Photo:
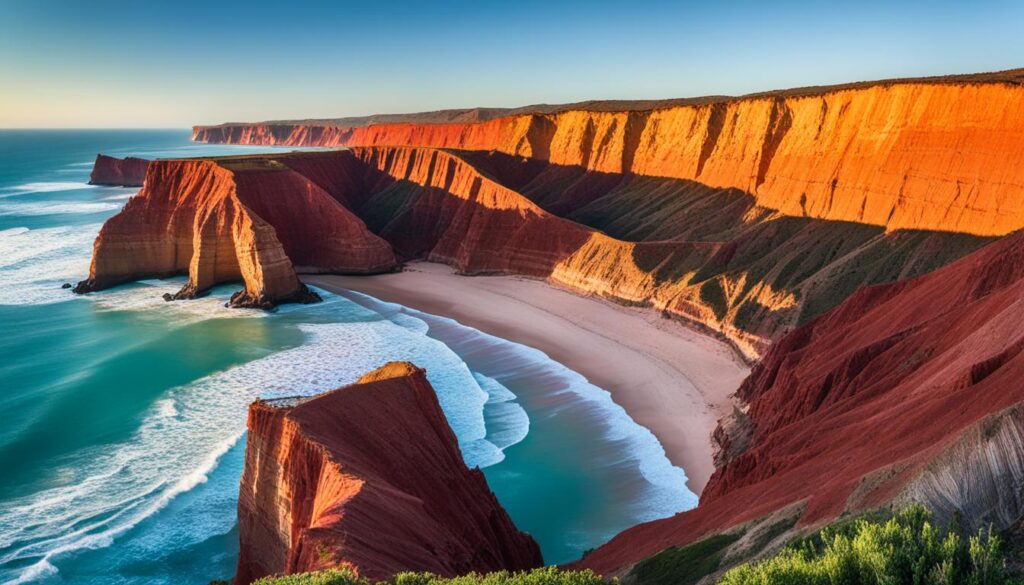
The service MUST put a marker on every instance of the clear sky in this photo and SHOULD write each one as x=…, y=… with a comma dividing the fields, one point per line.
x=144, y=63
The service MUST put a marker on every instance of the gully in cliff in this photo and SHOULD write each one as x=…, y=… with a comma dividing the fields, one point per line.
x=369, y=477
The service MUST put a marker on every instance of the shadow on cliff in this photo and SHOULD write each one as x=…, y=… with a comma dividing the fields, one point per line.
x=706, y=253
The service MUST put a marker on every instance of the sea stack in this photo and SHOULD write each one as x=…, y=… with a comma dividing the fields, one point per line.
x=368, y=476
x=224, y=220
x=118, y=172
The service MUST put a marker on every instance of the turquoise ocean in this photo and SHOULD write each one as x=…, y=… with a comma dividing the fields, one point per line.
x=122, y=417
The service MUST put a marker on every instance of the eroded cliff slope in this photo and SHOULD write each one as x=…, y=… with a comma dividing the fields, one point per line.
x=369, y=476
x=907, y=391
x=712, y=257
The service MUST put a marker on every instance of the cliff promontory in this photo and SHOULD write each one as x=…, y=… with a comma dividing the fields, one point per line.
x=223, y=220
x=121, y=172
x=368, y=476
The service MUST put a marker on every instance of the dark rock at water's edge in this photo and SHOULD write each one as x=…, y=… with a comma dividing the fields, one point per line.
x=244, y=300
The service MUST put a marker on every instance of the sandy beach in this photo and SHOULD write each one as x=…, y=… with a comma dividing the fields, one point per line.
x=669, y=378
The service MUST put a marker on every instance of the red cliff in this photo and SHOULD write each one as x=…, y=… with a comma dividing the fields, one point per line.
x=232, y=219
x=121, y=172
x=368, y=476
x=932, y=154
x=908, y=391
x=709, y=256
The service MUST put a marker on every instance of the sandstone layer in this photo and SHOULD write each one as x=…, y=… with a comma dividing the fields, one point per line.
x=942, y=155
x=368, y=476
x=230, y=219
x=907, y=391
x=711, y=257
x=120, y=172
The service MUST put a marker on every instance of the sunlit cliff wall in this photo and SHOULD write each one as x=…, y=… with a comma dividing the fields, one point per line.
x=931, y=156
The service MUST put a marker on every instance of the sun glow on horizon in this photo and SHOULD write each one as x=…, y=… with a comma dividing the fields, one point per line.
x=67, y=64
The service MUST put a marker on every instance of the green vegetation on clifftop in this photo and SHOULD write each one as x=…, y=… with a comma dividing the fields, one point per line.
x=542, y=576
x=905, y=549
x=684, y=565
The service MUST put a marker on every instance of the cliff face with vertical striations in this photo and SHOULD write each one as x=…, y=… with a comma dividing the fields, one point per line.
x=121, y=172
x=709, y=256
x=929, y=155
x=908, y=391
x=368, y=476
x=225, y=220
x=845, y=235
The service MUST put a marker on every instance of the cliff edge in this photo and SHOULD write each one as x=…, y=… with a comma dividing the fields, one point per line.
x=368, y=476
x=940, y=154
x=119, y=172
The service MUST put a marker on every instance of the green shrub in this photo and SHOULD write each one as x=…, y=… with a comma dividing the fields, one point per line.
x=542, y=576
x=905, y=549
x=327, y=577
x=683, y=565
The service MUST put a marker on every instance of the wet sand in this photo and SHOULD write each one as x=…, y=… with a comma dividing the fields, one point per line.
x=670, y=378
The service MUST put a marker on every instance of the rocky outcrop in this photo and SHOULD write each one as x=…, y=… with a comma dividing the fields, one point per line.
x=908, y=391
x=120, y=172
x=230, y=219
x=368, y=476
x=942, y=155
x=707, y=256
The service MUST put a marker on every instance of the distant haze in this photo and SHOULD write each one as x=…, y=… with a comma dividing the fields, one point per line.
x=66, y=63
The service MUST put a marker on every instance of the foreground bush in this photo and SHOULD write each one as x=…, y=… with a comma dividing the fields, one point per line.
x=542, y=576
x=906, y=549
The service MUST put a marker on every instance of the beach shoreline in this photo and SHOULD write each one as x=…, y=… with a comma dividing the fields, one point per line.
x=672, y=379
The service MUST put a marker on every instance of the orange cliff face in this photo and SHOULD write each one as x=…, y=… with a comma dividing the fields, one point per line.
x=222, y=221
x=368, y=476
x=906, y=392
x=915, y=155
x=708, y=256
x=121, y=172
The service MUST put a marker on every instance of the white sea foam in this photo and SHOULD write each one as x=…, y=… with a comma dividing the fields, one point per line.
x=35, y=208
x=560, y=388
x=35, y=572
x=35, y=262
x=43, y=187
x=119, y=196
x=190, y=427
x=166, y=408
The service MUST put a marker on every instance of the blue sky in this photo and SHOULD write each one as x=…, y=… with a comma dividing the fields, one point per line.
x=145, y=63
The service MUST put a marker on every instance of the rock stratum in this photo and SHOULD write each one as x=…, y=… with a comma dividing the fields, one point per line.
x=120, y=172
x=230, y=219
x=940, y=154
x=368, y=476
x=709, y=256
